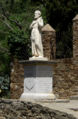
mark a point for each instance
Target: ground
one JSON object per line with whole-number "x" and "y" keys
{"x": 68, "y": 106}
{"x": 16, "y": 109}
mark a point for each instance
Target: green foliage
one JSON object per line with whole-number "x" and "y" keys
{"x": 4, "y": 86}
{"x": 16, "y": 17}
{"x": 4, "y": 64}
{"x": 4, "y": 55}
{"x": 19, "y": 45}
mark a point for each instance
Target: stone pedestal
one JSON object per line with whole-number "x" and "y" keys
{"x": 38, "y": 80}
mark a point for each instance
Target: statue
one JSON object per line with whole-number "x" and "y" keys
{"x": 36, "y": 39}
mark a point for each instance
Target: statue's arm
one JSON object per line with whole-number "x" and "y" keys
{"x": 40, "y": 22}
{"x": 32, "y": 24}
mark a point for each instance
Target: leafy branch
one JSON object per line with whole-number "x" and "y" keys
{"x": 6, "y": 20}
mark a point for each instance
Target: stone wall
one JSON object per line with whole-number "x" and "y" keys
{"x": 17, "y": 79}
{"x": 75, "y": 37}
{"x": 11, "y": 109}
{"x": 49, "y": 42}
{"x": 65, "y": 77}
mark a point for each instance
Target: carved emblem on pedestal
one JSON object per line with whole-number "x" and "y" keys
{"x": 29, "y": 83}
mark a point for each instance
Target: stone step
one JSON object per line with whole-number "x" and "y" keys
{"x": 62, "y": 100}
{"x": 55, "y": 101}
{"x": 74, "y": 109}
{"x": 2, "y": 117}
{"x": 75, "y": 97}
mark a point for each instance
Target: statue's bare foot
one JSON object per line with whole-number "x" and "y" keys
{"x": 40, "y": 56}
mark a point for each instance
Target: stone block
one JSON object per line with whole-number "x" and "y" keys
{"x": 38, "y": 81}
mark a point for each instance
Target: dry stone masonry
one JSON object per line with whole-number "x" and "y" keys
{"x": 49, "y": 41}
{"x": 17, "y": 79}
{"x": 75, "y": 37}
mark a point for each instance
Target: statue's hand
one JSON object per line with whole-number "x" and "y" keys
{"x": 40, "y": 22}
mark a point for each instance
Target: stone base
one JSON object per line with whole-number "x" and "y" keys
{"x": 38, "y": 58}
{"x": 37, "y": 97}
{"x": 38, "y": 81}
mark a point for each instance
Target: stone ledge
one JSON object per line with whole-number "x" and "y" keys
{"x": 37, "y": 62}
{"x": 75, "y": 97}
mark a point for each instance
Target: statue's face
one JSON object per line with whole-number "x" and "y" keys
{"x": 37, "y": 14}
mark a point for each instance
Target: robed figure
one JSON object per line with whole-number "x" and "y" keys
{"x": 36, "y": 39}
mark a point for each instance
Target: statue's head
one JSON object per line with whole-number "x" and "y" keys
{"x": 37, "y": 14}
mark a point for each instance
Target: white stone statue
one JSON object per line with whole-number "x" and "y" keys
{"x": 36, "y": 39}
